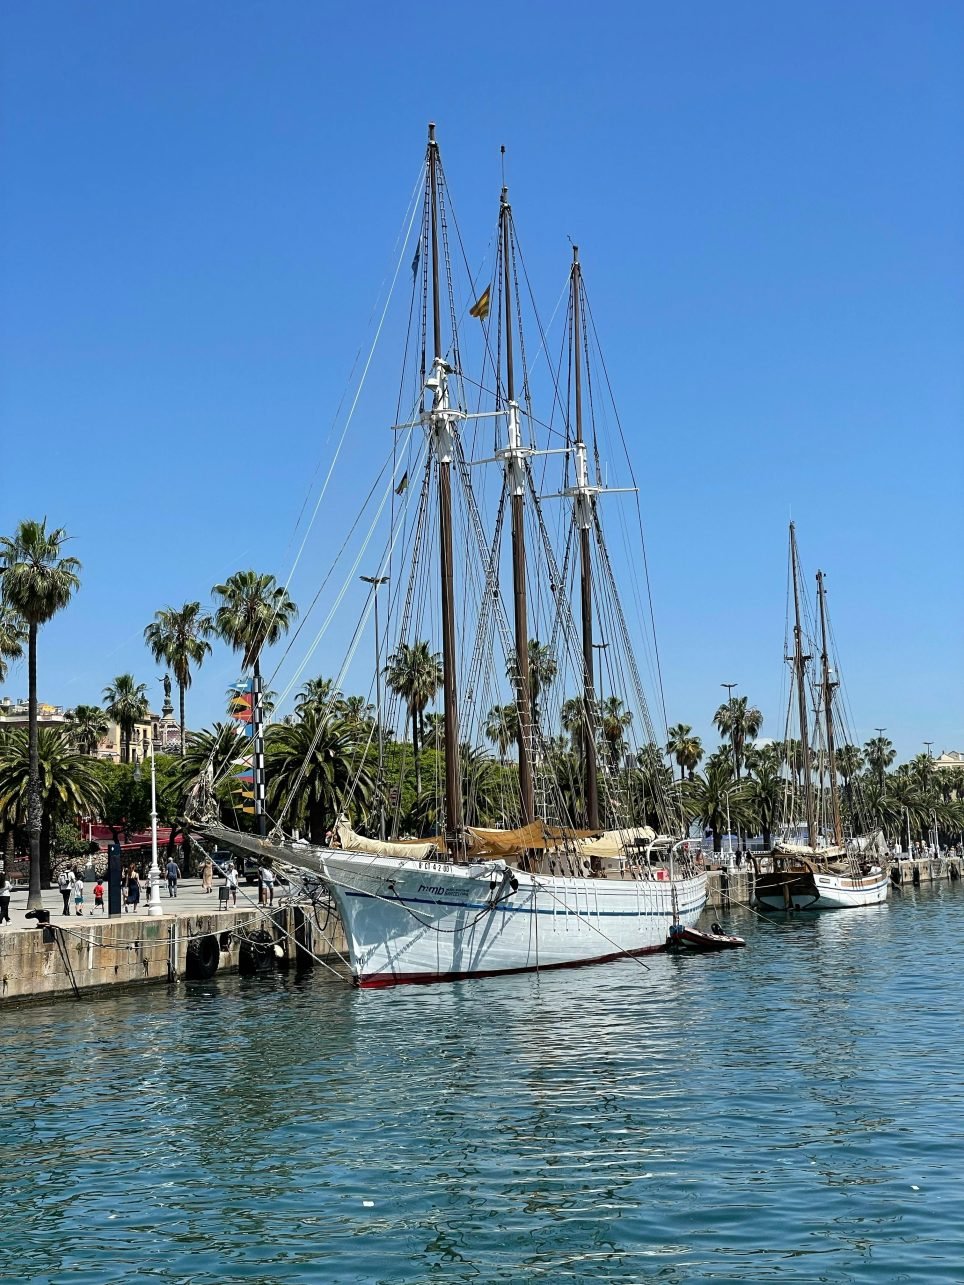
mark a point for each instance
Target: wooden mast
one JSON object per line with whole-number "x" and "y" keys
{"x": 799, "y": 664}
{"x": 583, "y": 511}
{"x": 441, "y": 422}
{"x": 516, "y": 477}
{"x": 828, "y": 690}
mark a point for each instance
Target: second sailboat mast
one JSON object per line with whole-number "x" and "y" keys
{"x": 799, "y": 666}
{"x": 583, "y": 511}
{"x": 516, "y": 477}
{"x": 443, "y": 436}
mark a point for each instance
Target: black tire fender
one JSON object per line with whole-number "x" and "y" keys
{"x": 203, "y": 957}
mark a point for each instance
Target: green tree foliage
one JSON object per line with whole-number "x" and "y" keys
{"x": 127, "y": 704}
{"x": 686, "y": 748}
{"x": 68, "y": 781}
{"x": 88, "y": 725}
{"x": 741, "y": 722}
{"x": 315, "y": 769}
{"x": 178, "y": 637}
{"x": 252, "y": 612}
{"x": 710, "y": 794}
{"x": 414, "y": 673}
{"x": 13, "y": 636}
{"x": 37, "y": 583}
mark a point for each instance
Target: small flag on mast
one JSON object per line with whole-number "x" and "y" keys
{"x": 403, "y": 484}
{"x": 418, "y": 255}
{"x": 480, "y": 308}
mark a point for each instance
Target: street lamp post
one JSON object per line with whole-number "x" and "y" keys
{"x": 375, "y": 582}
{"x": 154, "y": 878}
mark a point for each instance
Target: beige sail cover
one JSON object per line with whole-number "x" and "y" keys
{"x": 614, "y": 843}
{"x": 804, "y": 850}
{"x": 352, "y": 842}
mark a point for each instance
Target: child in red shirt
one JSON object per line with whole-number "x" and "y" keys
{"x": 99, "y": 896}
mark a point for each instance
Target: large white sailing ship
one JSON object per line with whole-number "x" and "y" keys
{"x": 577, "y": 876}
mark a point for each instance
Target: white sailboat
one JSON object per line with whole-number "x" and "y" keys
{"x": 475, "y": 902}
{"x": 828, "y": 871}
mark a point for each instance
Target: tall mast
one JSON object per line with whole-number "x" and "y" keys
{"x": 828, "y": 691}
{"x": 799, "y": 665}
{"x": 441, "y": 421}
{"x": 516, "y": 478}
{"x": 582, "y": 493}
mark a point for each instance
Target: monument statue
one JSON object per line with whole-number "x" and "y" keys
{"x": 168, "y": 709}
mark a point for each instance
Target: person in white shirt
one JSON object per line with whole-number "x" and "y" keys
{"x": 65, "y": 882}
{"x": 78, "y": 894}
{"x": 6, "y": 888}
{"x": 231, "y": 879}
{"x": 266, "y": 875}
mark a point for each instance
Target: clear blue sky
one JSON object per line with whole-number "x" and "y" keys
{"x": 198, "y": 208}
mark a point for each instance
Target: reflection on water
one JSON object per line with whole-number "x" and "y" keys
{"x": 785, "y": 1110}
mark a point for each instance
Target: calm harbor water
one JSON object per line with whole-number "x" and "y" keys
{"x": 789, "y": 1110}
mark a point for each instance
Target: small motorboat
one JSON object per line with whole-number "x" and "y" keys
{"x": 691, "y": 941}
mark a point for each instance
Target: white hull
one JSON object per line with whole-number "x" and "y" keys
{"x": 833, "y": 892}
{"x": 408, "y": 921}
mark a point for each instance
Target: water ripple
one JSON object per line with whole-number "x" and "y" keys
{"x": 788, "y": 1110}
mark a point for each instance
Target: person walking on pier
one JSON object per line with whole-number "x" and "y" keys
{"x": 133, "y": 892}
{"x": 173, "y": 873}
{"x": 65, "y": 882}
{"x": 78, "y": 893}
{"x": 99, "y": 897}
{"x": 6, "y": 888}
{"x": 231, "y": 880}
{"x": 207, "y": 875}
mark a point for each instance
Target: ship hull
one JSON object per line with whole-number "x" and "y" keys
{"x": 409, "y": 922}
{"x": 806, "y": 889}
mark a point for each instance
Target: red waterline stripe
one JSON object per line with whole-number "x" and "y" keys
{"x": 379, "y": 981}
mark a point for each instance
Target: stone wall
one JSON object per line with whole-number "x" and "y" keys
{"x": 92, "y": 956}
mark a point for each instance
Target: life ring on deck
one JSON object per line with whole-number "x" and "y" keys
{"x": 203, "y": 957}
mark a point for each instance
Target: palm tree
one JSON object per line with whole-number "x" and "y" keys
{"x": 765, "y": 790}
{"x": 849, "y": 760}
{"x": 740, "y": 721}
{"x": 69, "y": 784}
{"x": 542, "y": 670}
{"x": 314, "y": 767}
{"x": 502, "y": 727}
{"x": 253, "y": 612}
{"x": 320, "y": 692}
{"x": 686, "y": 748}
{"x": 434, "y": 731}
{"x": 88, "y": 726}
{"x": 879, "y": 753}
{"x": 572, "y": 716}
{"x": 127, "y": 704}
{"x": 178, "y": 637}
{"x": 712, "y": 798}
{"x": 37, "y": 583}
{"x": 415, "y": 673}
{"x": 13, "y": 635}
{"x": 614, "y": 718}
{"x": 356, "y": 709}
{"x": 211, "y": 754}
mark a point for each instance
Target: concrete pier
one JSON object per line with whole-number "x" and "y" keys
{"x": 79, "y": 955}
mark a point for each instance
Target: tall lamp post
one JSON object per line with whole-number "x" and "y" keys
{"x": 937, "y": 837}
{"x": 154, "y": 906}
{"x": 375, "y": 582}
